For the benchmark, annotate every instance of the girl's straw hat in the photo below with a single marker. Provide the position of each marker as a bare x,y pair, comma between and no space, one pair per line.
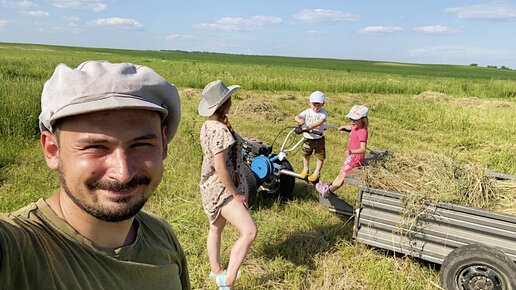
213,96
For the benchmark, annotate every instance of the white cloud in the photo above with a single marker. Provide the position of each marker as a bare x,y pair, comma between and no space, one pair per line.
118,22
3,23
313,32
38,13
380,29
94,5
436,29
179,36
325,16
496,12
71,18
240,24
19,5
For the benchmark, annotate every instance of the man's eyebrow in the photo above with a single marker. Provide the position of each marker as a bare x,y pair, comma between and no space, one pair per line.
94,140
146,137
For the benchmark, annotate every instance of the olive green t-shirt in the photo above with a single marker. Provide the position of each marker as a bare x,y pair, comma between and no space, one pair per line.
39,250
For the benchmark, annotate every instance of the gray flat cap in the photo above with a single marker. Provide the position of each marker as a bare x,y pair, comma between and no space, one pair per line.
99,85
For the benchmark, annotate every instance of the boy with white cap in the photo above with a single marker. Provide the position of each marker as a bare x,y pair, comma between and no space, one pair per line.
356,148
105,128
313,118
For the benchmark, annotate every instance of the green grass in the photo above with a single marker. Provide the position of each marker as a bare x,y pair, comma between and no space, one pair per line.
300,245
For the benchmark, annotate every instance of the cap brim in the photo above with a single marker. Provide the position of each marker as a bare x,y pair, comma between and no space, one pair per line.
203,105
170,112
354,117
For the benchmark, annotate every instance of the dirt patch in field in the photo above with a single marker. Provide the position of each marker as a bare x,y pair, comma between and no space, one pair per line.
259,109
191,94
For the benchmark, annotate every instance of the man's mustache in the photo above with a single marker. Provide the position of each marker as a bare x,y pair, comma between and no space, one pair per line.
118,186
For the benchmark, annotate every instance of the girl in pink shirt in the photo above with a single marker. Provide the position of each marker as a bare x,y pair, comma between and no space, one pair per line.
356,148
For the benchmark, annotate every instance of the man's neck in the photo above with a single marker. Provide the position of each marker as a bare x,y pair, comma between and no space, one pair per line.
103,234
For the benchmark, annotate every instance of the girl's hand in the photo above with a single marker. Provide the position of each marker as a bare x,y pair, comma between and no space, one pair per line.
346,151
241,198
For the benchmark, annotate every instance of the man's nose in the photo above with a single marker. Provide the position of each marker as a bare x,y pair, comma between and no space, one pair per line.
120,166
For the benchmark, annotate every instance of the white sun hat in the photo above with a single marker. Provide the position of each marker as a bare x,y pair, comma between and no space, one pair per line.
213,96
100,86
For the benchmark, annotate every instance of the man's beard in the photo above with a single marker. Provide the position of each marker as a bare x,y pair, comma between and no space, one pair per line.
104,213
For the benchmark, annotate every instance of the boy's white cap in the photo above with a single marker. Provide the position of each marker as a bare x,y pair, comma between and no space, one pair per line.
317,97
99,86
357,112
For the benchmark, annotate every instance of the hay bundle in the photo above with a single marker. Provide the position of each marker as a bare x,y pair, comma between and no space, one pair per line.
430,95
190,94
258,108
438,177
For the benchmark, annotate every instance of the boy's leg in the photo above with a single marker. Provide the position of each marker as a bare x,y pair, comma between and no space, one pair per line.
306,164
319,165
307,153
320,153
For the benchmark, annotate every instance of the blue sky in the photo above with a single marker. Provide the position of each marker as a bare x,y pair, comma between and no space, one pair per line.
416,31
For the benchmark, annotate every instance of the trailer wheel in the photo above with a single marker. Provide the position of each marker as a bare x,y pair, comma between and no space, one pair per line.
252,185
282,185
478,266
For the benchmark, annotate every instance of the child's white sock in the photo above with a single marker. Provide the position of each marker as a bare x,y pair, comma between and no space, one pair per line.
305,168
316,172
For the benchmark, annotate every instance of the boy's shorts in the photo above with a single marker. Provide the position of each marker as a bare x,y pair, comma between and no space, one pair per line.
317,145
353,161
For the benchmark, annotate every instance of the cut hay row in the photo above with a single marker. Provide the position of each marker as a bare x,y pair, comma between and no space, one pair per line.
259,109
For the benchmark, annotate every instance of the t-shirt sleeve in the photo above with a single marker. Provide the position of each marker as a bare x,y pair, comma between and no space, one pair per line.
220,140
303,114
362,135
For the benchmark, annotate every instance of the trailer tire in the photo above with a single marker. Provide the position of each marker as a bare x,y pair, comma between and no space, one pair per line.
477,266
252,185
282,185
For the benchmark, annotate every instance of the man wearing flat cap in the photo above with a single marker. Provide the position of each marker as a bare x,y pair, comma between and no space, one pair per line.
105,127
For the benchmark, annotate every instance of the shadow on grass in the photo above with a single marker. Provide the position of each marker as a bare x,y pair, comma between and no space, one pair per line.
302,191
301,248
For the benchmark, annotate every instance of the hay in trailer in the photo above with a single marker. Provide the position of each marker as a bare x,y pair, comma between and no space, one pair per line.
431,176
259,109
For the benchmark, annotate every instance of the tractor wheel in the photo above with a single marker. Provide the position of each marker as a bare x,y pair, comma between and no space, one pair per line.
252,186
282,185
478,266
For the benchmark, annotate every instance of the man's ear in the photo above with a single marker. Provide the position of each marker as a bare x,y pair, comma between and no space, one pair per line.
164,141
50,149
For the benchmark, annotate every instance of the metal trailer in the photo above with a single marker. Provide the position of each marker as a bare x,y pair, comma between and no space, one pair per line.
475,248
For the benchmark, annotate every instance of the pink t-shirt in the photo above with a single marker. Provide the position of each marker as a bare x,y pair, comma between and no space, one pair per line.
357,136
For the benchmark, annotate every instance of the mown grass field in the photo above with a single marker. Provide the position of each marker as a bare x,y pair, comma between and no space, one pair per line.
470,115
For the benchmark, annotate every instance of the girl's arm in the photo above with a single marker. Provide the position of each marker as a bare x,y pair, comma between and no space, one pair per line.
219,161
361,150
345,128
222,172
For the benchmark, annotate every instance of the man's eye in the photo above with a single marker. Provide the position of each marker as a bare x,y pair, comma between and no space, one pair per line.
95,147
142,144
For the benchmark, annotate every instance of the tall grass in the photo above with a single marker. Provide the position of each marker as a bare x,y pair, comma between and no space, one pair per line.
300,244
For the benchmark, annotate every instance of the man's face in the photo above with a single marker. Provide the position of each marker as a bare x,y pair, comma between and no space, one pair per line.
110,162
